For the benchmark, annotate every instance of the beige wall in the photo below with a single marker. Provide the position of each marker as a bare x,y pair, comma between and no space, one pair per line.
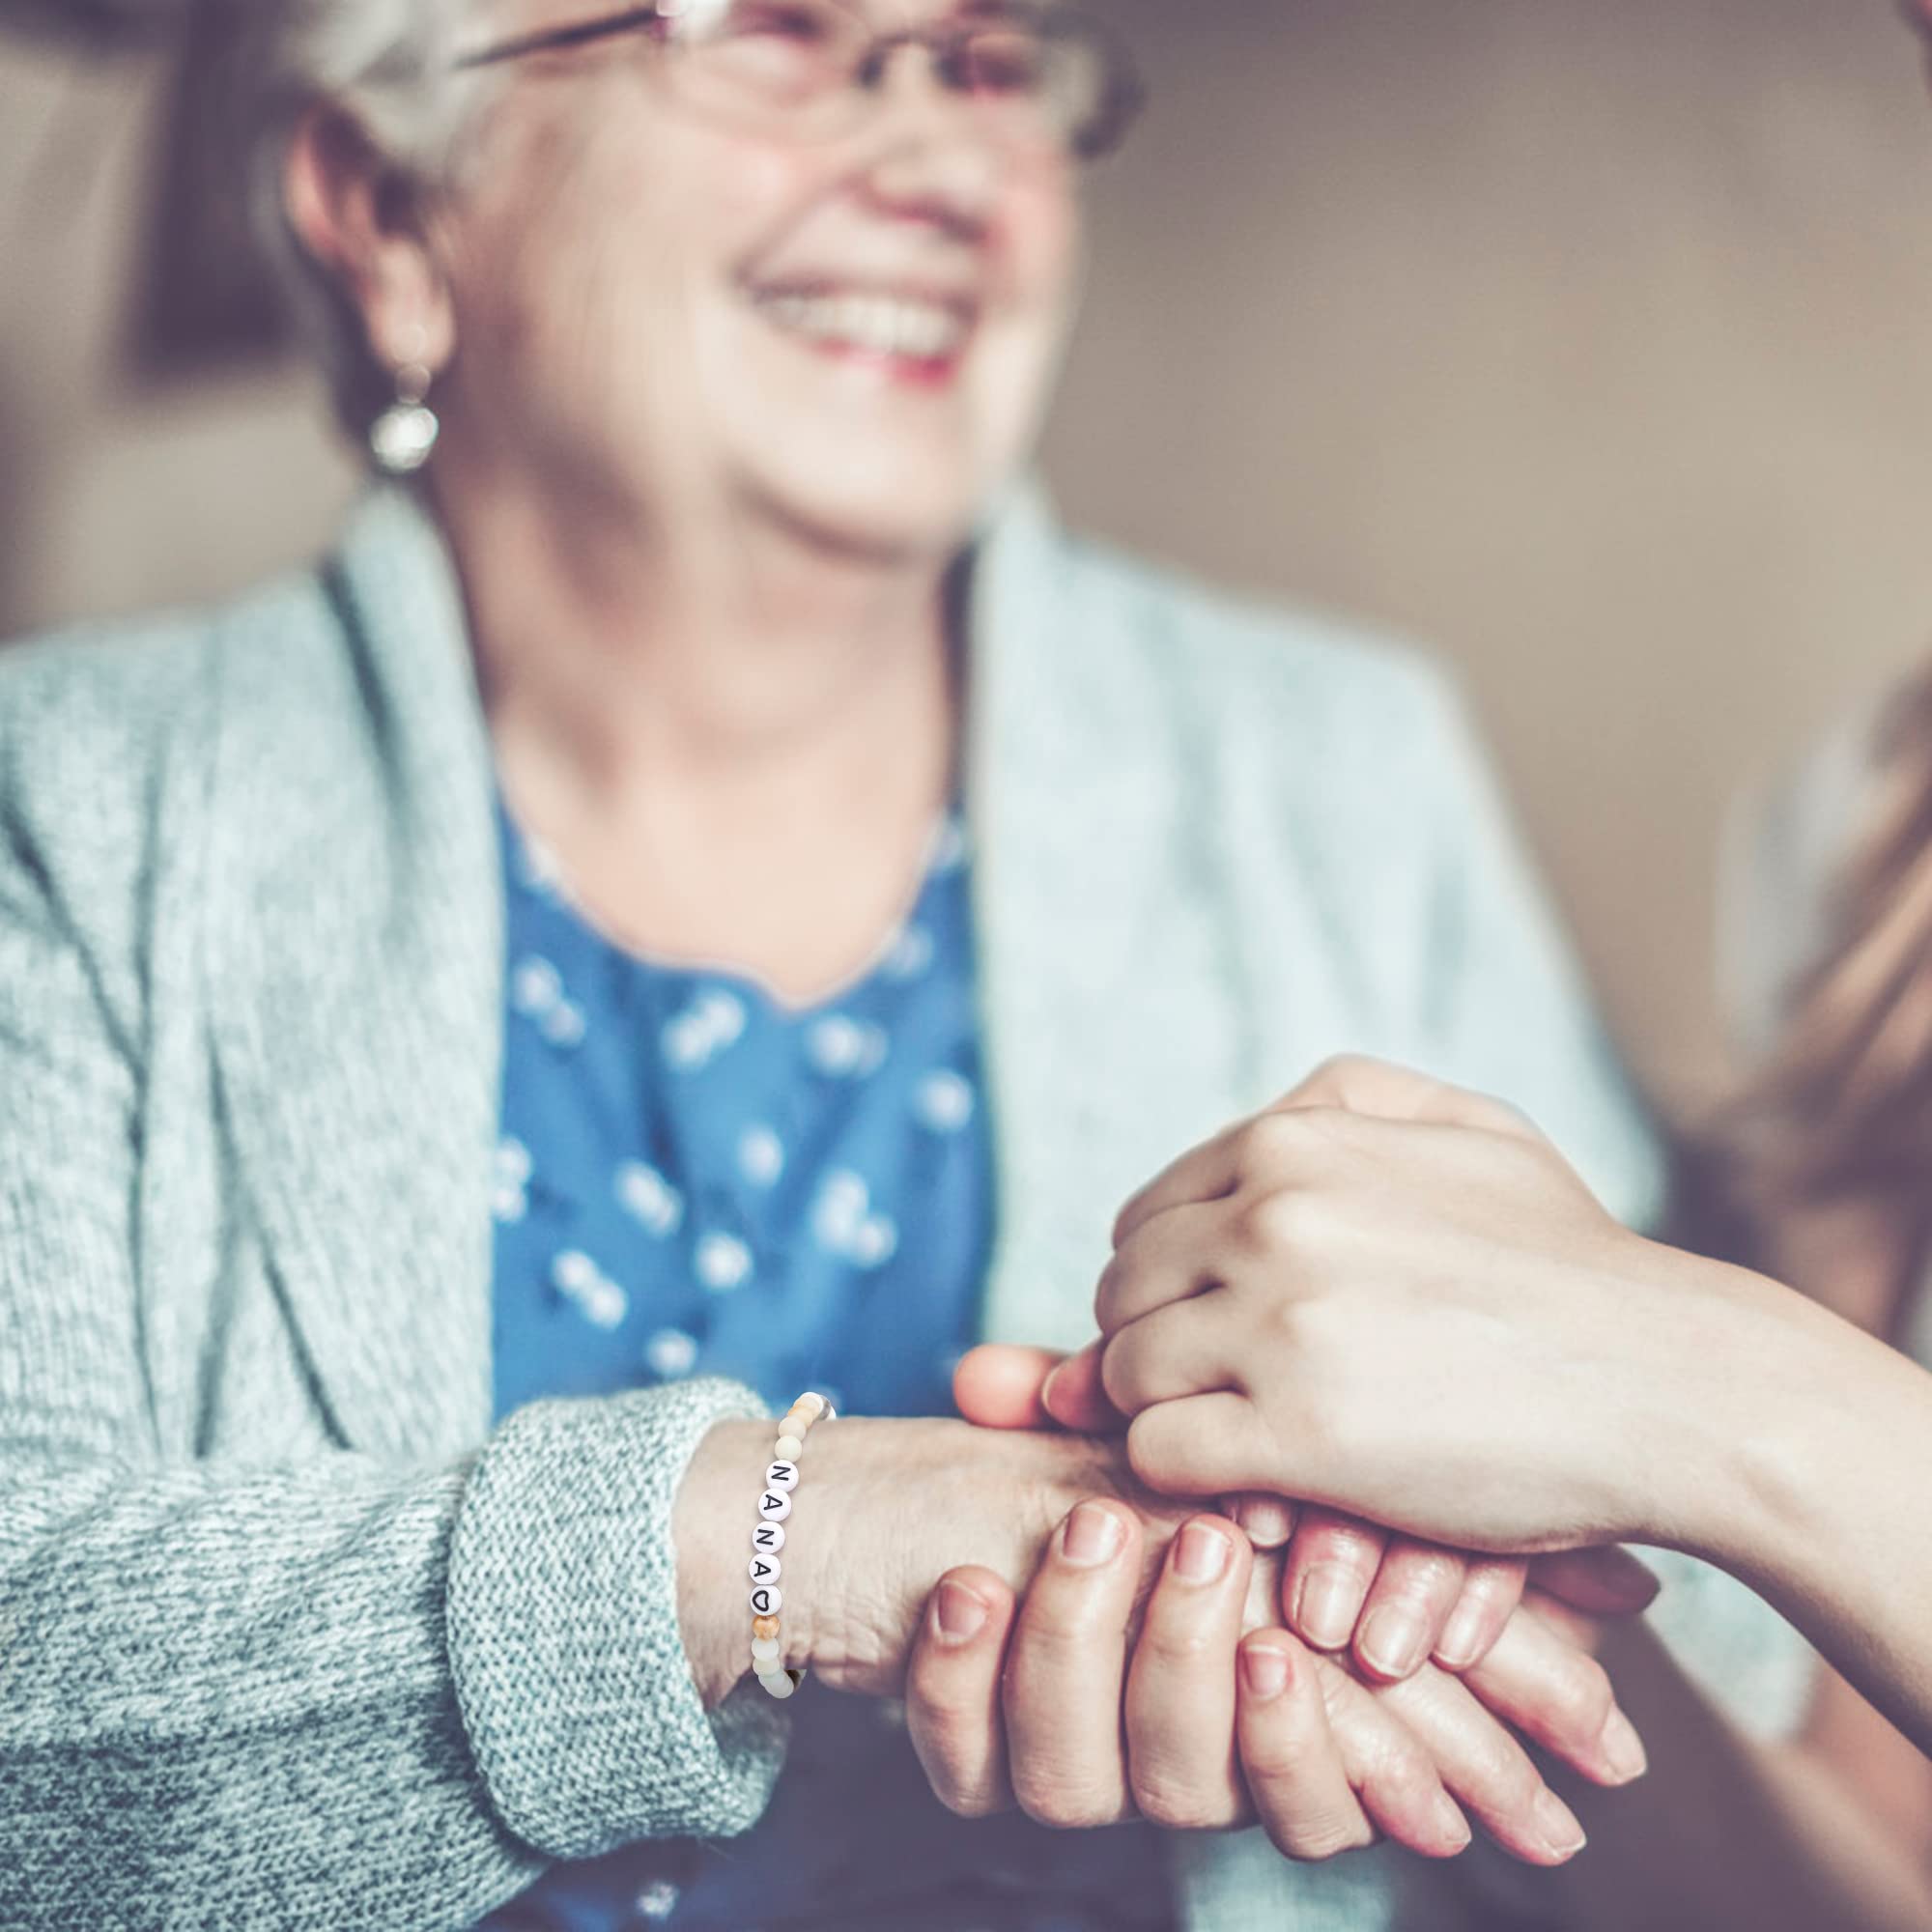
1582,339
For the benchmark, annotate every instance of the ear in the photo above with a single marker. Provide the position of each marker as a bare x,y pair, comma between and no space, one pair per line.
358,216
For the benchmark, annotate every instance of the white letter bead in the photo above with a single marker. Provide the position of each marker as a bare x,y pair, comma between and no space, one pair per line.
781,1687
765,1601
768,1537
781,1476
774,1505
789,1449
766,1650
765,1569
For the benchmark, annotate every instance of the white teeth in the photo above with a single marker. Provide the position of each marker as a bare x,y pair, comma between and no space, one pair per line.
880,324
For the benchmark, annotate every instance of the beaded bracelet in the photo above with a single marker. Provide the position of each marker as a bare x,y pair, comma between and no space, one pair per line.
768,1539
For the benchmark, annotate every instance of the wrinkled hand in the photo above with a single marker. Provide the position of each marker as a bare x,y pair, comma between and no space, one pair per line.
1105,1693
1084,1704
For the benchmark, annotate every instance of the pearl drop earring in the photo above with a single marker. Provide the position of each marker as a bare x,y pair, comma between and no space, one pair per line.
402,438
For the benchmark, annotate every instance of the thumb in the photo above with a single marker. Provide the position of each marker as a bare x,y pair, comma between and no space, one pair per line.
999,1386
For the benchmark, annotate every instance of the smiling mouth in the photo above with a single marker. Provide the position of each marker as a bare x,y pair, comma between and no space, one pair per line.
921,333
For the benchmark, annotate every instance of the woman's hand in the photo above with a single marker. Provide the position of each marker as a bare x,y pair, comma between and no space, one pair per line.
1056,1703
882,1510
1394,1602
1398,1300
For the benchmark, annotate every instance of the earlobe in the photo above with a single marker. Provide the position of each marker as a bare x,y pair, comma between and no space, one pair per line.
350,208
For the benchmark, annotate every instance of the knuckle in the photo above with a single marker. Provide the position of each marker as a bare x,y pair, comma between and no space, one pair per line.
1172,1644
1317,1839
1064,1804
1275,1222
1284,1754
1150,1449
1403,1779
1421,1574
1331,1540
1171,1805
967,1801
1121,1374
1271,1144
1581,1700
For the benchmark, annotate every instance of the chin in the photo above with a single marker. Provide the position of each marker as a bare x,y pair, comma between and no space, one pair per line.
889,510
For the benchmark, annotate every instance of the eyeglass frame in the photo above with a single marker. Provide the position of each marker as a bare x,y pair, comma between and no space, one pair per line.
1121,107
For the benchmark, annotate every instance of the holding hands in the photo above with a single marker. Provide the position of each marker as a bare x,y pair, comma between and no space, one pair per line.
1326,1302
1144,1673
1397,1299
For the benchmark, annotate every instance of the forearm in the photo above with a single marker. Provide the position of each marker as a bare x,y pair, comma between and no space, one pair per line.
882,1510
1804,1475
1724,1830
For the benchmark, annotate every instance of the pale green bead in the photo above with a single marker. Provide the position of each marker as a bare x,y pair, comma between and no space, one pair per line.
766,1650
790,1448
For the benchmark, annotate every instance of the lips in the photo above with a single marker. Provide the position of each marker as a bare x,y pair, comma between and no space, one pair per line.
898,325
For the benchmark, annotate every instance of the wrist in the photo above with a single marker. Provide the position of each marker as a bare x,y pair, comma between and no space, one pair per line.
884,1507
1722,1359
711,1528
1817,1409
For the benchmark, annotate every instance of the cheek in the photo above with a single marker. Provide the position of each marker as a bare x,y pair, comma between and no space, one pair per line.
1046,242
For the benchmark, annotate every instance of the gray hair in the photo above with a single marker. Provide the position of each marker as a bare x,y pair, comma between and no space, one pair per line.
387,65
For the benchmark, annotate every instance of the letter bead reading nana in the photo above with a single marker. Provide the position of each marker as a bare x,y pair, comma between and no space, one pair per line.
768,1537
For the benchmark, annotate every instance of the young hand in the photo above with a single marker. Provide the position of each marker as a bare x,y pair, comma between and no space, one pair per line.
1398,1300
1347,1584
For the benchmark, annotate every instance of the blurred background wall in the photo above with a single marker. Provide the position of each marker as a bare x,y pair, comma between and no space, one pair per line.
1591,343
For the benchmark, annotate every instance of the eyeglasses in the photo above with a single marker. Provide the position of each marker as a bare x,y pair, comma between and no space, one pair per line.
810,69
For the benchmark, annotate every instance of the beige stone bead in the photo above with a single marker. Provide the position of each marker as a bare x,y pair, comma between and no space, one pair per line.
765,1651
763,1629
789,1448
816,1405
780,1686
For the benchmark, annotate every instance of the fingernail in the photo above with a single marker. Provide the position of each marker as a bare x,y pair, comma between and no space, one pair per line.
1266,1671
959,1614
1093,1535
1393,1640
1622,1749
1046,1387
1201,1553
1460,1637
1268,1523
1451,1823
1327,1606
1561,1833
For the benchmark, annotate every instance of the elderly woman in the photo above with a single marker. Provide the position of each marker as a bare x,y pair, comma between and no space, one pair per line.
704,896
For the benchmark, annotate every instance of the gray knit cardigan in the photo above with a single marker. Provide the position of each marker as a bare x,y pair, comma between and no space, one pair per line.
290,1636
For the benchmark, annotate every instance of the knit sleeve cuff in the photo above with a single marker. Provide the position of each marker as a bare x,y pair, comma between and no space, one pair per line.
563,1634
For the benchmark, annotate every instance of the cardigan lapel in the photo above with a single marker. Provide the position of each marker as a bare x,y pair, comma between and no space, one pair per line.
354,978
1105,1057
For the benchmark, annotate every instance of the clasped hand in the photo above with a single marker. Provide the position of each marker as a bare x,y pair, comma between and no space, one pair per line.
1310,1305
1145,1672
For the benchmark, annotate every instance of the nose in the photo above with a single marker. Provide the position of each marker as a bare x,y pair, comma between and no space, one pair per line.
935,161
